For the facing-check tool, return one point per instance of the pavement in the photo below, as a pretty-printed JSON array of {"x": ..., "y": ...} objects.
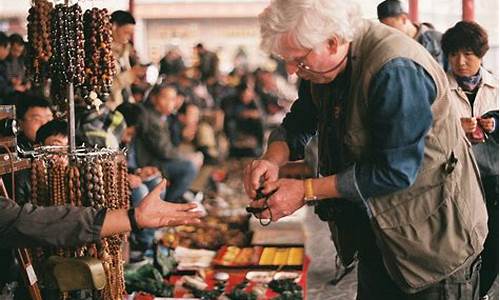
[
  {"x": 321, "y": 251},
  {"x": 302, "y": 227}
]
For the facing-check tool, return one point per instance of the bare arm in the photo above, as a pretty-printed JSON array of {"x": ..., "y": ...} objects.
[
  {"x": 277, "y": 153},
  {"x": 153, "y": 212}
]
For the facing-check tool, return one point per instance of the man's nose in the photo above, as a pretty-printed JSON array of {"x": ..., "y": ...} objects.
[{"x": 291, "y": 68}]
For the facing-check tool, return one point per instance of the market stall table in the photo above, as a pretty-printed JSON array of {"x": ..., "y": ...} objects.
[{"x": 237, "y": 276}]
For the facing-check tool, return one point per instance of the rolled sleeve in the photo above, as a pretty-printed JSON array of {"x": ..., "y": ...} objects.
[
  {"x": 347, "y": 185},
  {"x": 277, "y": 135}
]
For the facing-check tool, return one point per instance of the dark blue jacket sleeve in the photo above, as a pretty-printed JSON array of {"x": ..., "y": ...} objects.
[
  {"x": 299, "y": 125},
  {"x": 400, "y": 98}
]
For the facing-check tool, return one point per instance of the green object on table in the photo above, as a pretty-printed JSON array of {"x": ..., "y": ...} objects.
[
  {"x": 164, "y": 260},
  {"x": 238, "y": 292},
  {"x": 147, "y": 279},
  {"x": 287, "y": 288}
]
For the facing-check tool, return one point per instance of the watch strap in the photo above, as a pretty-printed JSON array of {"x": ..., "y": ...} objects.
[
  {"x": 133, "y": 220},
  {"x": 309, "y": 196}
]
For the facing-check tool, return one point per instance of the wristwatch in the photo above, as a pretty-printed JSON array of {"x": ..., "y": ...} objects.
[{"x": 309, "y": 197}]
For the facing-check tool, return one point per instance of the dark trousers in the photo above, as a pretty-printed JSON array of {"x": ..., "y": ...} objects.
[
  {"x": 181, "y": 174},
  {"x": 489, "y": 268}
]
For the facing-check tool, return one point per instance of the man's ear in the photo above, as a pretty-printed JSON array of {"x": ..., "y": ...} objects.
[
  {"x": 404, "y": 18},
  {"x": 333, "y": 45}
]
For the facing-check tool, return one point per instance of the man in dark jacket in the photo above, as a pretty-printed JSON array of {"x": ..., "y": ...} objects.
[
  {"x": 391, "y": 13},
  {"x": 16, "y": 71},
  {"x": 153, "y": 144},
  {"x": 208, "y": 64}
]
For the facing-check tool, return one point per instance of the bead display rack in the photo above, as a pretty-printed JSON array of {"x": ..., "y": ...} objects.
[
  {"x": 95, "y": 178},
  {"x": 72, "y": 50}
]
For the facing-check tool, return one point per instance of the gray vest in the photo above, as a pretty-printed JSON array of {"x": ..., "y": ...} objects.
[{"x": 427, "y": 231}]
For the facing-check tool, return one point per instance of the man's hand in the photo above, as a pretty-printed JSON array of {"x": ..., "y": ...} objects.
[
  {"x": 289, "y": 197},
  {"x": 147, "y": 172},
  {"x": 469, "y": 124},
  {"x": 134, "y": 181},
  {"x": 488, "y": 124},
  {"x": 256, "y": 170},
  {"x": 153, "y": 212}
]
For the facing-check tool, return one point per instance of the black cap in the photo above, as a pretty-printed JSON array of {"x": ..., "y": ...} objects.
[{"x": 390, "y": 8}]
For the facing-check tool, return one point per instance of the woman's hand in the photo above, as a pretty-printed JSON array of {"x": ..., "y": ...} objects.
[
  {"x": 469, "y": 124},
  {"x": 134, "y": 181},
  {"x": 147, "y": 172},
  {"x": 488, "y": 124}
]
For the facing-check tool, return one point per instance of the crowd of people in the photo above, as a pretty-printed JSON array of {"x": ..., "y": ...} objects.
[
  {"x": 386, "y": 120},
  {"x": 190, "y": 117}
]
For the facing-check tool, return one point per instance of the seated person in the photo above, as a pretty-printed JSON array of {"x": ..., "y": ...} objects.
[
  {"x": 101, "y": 128},
  {"x": 189, "y": 119},
  {"x": 53, "y": 133},
  {"x": 141, "y": 180},
  {"x": 147, "y": 175},
  {"x": 244, "y": 122},
  {"x": 32, "y": 113},
  {"x": 153, "y": 146},
  {"x": 198, "y": 133}
]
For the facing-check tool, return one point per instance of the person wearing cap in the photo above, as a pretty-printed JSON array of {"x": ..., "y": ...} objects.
[{"x": 392, "y": 13}]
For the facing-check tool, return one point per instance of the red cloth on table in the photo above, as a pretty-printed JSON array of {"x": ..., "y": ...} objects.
[{"x": 238, "y": 275}]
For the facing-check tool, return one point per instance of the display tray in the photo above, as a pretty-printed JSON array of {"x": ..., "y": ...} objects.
[
  {"x": 238, "y": 275},
  {"x": 267, "y": 257}
]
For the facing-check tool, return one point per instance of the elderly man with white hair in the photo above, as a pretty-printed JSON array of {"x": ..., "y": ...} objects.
[{"x": 397, "y": 182}]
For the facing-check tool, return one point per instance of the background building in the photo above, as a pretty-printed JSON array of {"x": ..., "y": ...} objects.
[{"x": 227, "y": 25}]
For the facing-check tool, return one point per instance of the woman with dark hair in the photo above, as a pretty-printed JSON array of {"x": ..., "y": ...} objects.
[{"x": 475, "y": 94}]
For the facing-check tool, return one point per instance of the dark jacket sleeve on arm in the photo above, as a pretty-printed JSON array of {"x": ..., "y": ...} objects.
[
  {"x": 59, "y": 226},
  {"x": 155, "y": 135},
  {"x": 299, "y": 125}
]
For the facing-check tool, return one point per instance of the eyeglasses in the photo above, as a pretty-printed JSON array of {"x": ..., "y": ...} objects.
[{"x": 299, "y": 62}]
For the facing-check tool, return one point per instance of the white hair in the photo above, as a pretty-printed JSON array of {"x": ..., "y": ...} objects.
[{"x": 310, "y": 22}]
